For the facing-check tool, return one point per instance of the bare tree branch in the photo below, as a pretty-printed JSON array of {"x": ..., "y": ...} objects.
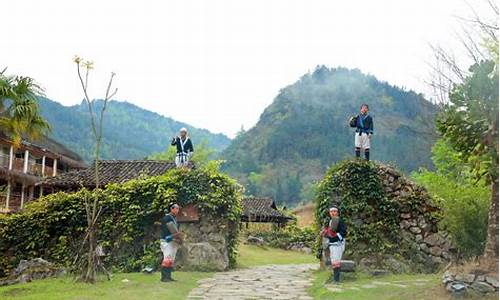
[{"x": 93, "y": 210}]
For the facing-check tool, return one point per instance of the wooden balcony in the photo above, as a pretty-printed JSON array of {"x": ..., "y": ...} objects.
[
  {"x": 18, "y": 164},
  {"x": 35, "y": 169},
  {"x": 48, "y": 171},
  {"x": 4, "y": 160}
]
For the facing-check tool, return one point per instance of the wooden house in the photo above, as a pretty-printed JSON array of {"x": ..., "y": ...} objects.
[
  {"x": 262, "y": 210},
  {"x": 24, "y": 166}
]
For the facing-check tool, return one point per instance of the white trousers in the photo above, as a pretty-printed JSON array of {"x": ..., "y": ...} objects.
[
  {"x": 181, "y": 159},
  {"x": 336, "y": 251},
  {"x": 361, "y": 141},
  {"x": 169, "y": 249}
]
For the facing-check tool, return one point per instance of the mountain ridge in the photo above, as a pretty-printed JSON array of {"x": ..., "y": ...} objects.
[
  {"x": 129, "y": 131},
  {"x": 304, "y": 130}
]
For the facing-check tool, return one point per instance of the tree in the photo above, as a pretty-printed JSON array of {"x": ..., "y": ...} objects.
[
  {"x": 469, "y": 121},
  {"x": 19, "y": 111},
  {"x": 470, "y": 124},
  {"x": 92, "y": 208}
]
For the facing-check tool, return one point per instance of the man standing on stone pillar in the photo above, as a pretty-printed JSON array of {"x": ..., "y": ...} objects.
[
  {"x": 170, "y": 240},
  {"x": 184, "y": 147},
  {"x": 364, "y": 131}
]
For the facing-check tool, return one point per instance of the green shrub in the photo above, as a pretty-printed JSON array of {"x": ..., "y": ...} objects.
[
  {"x": 465, "y": 210},
  {"x": 53, "y": 227},
  {"x": 464, "y": 201},
  {"x": 282, "y": 238},
  {"x": 372, "y": 219}
]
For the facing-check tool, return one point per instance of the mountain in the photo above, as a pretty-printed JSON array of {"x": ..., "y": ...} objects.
[
  {"x": 305, "y": 130},
  {"x": 129, "y": 132}
]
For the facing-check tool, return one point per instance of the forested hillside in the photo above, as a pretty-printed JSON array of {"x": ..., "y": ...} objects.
[
  {"x": 130, "y": 132},
  {"x": 305, "y": 130}
]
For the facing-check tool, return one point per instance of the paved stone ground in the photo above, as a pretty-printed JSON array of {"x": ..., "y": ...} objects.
[
  {"x": 373, "y": 284},
  {"x": 280, "y": 282}
]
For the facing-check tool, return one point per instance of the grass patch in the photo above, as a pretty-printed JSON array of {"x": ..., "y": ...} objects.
[
  {"x": 143, "y": 286},
  {"x": 429, "y": 287},
  {"x": 140, "y": 286},
  {"x": 251, "y": 255}
]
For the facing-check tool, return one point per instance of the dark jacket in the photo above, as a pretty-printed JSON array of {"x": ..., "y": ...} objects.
[
  {"x": 164, "y": 232},
  {"x": 364, "y": 124},
  {"x": 188, "y": 145},
  {"x": 342, "y": 230}
]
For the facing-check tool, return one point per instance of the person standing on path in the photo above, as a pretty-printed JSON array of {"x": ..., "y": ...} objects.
[
  {"x": 170, "y": 240},
  {"x": 184, "y": 148},
  {"x": 364, "y": 131},
  {"x": 336, "y": 233}
]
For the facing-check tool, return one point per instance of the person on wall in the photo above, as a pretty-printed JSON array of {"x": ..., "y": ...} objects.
[
  {"x": 184, "y": 148},
  {"x": 335, "y": 232},
  {"x": 363, "y": 123},
  {"x": 170, "y": 241}
]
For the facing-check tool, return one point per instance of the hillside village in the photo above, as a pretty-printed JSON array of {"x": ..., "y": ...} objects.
[
  {"x": 37, "y": 171},
  {"x": 346, "y": 186}
]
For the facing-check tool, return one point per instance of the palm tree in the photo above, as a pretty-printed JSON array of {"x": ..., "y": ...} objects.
[{"x": 19, "y": 112}]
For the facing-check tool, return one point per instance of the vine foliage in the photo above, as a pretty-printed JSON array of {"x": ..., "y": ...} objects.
[{"x": 54, "y": 226}]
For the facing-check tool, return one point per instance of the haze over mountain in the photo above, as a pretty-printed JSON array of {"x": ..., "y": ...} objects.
[
  {"x": 305, "y": 130},
  {"x": 130, "y": 132},
  {"x": 296, "y": 139}
]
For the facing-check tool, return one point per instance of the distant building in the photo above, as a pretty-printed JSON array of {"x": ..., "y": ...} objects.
[
  {"x": 21, "y": 168},
  {"x": 110, "y": 171},
  {"x": 262, "y": 210}
]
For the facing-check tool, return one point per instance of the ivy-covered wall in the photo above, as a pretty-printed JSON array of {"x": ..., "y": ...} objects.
[
  {"x": 387, "y": 216},
  {"x": 53, "y": 226}
]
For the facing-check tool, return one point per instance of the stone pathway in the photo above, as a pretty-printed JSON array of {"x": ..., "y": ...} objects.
[
  {"x": 373, "y": 284},
  {"x": 280, "y": 282}
]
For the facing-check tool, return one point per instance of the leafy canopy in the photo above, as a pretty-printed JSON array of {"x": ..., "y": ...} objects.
[
  {"x": 470, "y": 122},
  {"x": 19, "y": 111}
]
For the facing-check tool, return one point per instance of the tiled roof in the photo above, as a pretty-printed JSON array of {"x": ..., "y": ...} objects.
[
  {"x": 261, "y": 210},
  {"x": 48, "y": 144},
  {"x": 110, "y": 171}
]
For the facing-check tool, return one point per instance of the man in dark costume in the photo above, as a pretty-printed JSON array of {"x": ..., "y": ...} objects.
[
  {"x": 184, "y": 148},
  {"x": 335, "y": 234},
  {"x": 364, "y": 131},
  {"x": 170, "y": 240}
]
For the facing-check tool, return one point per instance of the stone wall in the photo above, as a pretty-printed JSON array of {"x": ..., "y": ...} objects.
[
  {"x": 418, "y": 219},
  {"x": 460, "y": 284},
  {"x": 205, "y": 245}
]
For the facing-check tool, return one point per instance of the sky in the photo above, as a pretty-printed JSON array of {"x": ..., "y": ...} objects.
[{"x": 218, "y": 64}]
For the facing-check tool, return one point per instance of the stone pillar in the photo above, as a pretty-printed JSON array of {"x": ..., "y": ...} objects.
[
  {"x": 54, "y": 166},
  {"x": 43, "y": 166},
  {"x": 26, "y": 159},
  {"x": 7, "y": 197},
  {"x": 11, "y": 157},
  {"x": 22, "y": 195}
]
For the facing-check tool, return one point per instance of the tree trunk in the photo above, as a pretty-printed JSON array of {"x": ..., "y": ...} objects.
[{"x": 491, "y": 249}]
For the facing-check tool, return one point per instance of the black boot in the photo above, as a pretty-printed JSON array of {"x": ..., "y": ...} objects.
[
  {"x": 357, "y": 151},
  {"x": 336, "y": 275},
  {"x": 166, "y": 274},
  {"x": 367, "y": 154},
  {"x": 169, "y": 274},
  {"x": 163, "y": 274}
]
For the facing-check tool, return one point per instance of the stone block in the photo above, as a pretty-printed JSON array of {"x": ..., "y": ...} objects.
[
  {"x": 493, "y": 281},
  {"x": 436, "y": 251},
  {"x": 347, "y": 266},
  {"x": 482, "y": 287}
]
